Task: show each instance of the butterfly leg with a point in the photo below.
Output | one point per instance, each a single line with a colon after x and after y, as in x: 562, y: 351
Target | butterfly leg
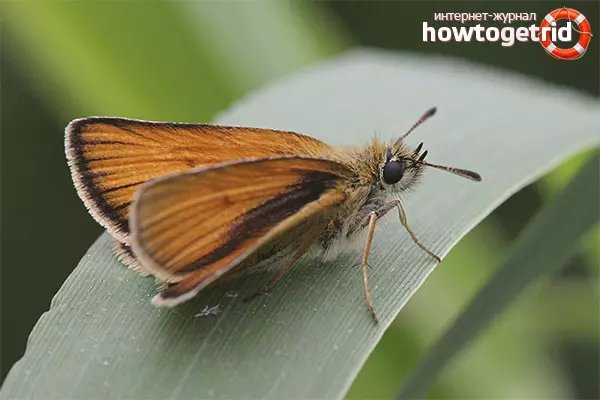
x: 288, y: 267
x: 365, y: 263
x: 404, y: 223
x: 373, y: 216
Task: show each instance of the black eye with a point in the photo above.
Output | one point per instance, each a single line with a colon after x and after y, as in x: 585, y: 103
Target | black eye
x: 392, y: 172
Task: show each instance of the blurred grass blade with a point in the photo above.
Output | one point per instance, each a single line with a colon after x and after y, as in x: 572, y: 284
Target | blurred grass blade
x: 158, y: 60
x: 102, y: 338
x: 544, y: 246
x: 128, y: 69
x: 268, y: 39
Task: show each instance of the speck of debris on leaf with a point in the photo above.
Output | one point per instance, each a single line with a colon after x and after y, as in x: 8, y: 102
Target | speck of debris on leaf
x: 214, y: 310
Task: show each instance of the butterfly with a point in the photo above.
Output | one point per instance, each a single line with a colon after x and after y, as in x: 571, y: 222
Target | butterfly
x: 191, y: 203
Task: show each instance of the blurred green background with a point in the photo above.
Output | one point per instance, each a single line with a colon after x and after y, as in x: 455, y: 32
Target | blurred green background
x: 185, y: 61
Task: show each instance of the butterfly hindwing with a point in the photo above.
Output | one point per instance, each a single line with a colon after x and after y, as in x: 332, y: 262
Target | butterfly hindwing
x: 195, y: 226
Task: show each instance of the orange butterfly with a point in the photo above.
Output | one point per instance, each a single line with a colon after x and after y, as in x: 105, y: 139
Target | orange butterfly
x: 190, y: 202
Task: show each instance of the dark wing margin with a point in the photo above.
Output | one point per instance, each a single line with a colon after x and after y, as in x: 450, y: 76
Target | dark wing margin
x: 107, y: 215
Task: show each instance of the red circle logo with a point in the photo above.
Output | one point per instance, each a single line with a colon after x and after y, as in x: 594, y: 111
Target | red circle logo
x: 583, y: 27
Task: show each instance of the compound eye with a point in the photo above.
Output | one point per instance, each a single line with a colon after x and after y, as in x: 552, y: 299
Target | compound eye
x: 392, y: 172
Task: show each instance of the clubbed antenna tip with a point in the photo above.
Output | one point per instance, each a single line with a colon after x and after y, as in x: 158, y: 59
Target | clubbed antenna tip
x: 429, y: 113
x: 423, y: 118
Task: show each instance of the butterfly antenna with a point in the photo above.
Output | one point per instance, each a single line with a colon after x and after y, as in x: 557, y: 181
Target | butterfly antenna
x: 465, y: 173
x: 424, y: 117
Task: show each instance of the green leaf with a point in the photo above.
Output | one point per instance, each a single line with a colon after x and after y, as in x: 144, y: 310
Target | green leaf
x: 545, y: 245
x: 309, y: 338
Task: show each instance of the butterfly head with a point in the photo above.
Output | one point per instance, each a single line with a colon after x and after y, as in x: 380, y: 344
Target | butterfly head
x: 403, y: 166
x: 401, y: 169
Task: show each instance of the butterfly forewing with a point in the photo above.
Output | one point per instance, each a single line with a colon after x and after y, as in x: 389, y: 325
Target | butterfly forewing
x: 110, y: 158
x: 199, y: 224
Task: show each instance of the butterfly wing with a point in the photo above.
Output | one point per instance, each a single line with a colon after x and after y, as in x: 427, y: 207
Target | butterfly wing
x: 195, y: 226
x: 110, y: 158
